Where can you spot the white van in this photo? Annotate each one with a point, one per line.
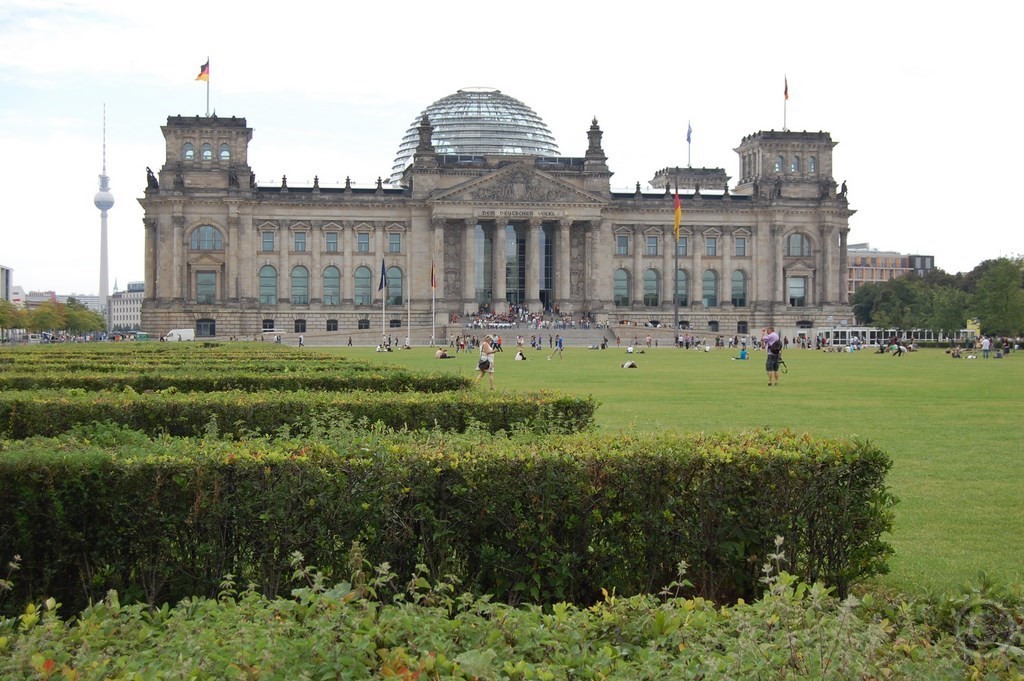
(180, 335)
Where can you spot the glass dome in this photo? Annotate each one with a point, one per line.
(478, 121)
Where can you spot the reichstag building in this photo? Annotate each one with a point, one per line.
(482, 215)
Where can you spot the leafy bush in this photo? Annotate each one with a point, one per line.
(429, 630)
(46, 413)
(523, 519)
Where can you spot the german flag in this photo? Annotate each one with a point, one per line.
(204, 71)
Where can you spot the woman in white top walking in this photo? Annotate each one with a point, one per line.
(486, 365)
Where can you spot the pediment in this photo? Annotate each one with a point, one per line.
(518, 183)
(205, 260)
(800, 267)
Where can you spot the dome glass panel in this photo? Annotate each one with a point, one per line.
(478, 122)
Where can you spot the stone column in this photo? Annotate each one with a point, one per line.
(637, 293)
(563, 269)
(437, 256)
(533, 264)
(178, 270)
(315, 273)
(230, 287)
(284, 272)
(348, 282)
(726, 288)
(499, 264)
(469, 265)
(824, 274)
(151, 273)
(844, 266)
(668, 271)
(697, 264)
(778, 275)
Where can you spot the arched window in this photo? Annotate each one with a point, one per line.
(268, 285)
(362, 286)
(300, 285)
(709, 296)
(779, 164)
(332, 286)
(206, 152)
(798, 245)
(812, 164)
(652, 288)
(683, 288)
(225, 152)
(394, 289)
(621, 288)
(206, 238)
(188, 152)
(739, 288)
(794, 165)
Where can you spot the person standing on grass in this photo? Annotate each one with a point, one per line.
(558, 345)
(773, 347)
(486, 365)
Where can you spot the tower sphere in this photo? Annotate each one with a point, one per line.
(475, 122)
(103, 200)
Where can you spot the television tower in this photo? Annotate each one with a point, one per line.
(104, 200)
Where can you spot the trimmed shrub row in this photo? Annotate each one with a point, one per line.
(46, 413)
(560, 519)
(201, 379)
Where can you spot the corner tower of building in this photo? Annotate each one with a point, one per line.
(786, 165)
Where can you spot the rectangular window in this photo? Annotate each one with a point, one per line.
(268, 241)
(394, 242)
(622, 244)
(652, 245)
(268, 326)
(363, 242)
(797, 291)
(300, 326)
(332, 324)
(711, 246)
(300, 242)
(206, 328)
(206, 288)
(740, 243)
(681, 246)
(332, 242)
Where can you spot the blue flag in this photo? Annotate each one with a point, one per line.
(383, 276)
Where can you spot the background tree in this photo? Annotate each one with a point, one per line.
(10, 318)
(949, 309)
(81, 320)
(49, 316)
(999, 298)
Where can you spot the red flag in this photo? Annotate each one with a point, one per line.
(433, 277)
(785, 93)
(204, 71)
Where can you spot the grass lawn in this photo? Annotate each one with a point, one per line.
(954, 428)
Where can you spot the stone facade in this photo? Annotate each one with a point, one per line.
(230, 258)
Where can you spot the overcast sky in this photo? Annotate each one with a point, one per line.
(922, 98)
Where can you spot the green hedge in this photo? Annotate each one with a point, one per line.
(30, 413)
(203, 379)
(524, 520)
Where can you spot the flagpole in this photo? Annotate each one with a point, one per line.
(383, 288)
(207, 88)
(675, 288)
(433, 295)
(689, 131)
(785, 104)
